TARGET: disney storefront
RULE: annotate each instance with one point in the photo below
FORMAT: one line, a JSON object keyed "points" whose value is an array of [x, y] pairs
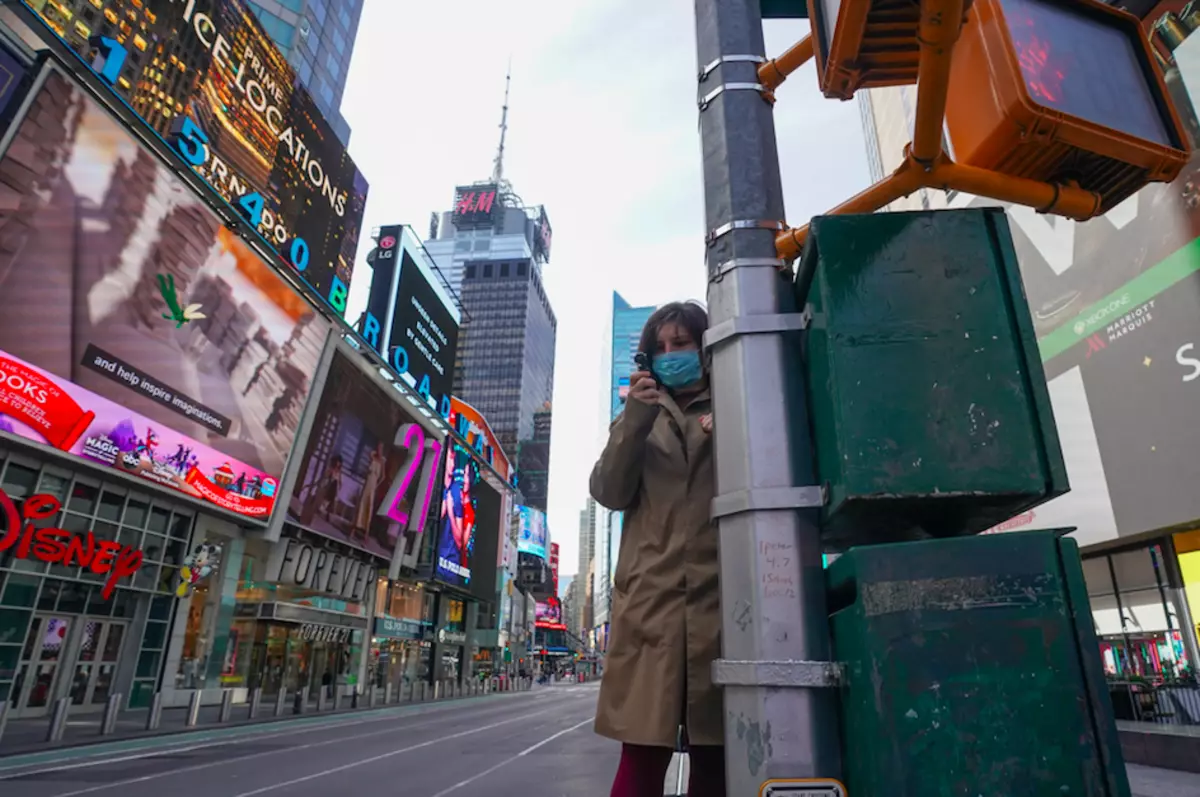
{"points": [[61, 635]]}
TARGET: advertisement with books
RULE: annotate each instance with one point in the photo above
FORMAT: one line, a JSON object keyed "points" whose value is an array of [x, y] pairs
{"points": [[370, 469], [137, 332]]}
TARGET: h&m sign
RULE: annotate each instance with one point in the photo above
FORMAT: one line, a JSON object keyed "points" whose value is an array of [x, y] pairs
{"points": [[296, 563]]}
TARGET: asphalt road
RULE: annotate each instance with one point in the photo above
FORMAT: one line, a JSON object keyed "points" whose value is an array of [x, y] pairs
{"points": [[532, 744]]}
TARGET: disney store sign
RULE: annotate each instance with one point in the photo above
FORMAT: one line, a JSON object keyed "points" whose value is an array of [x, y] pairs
{"points": [[61, 547]]}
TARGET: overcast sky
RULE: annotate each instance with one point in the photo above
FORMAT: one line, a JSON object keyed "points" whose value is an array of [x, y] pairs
{"points": [[602, 131]]}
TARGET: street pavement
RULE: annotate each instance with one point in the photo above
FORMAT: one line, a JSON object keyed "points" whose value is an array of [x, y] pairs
{"points": [[527, 744], [531, 744]]}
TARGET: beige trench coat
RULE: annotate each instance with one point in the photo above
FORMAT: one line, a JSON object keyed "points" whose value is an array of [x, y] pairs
{"points": [[666, 622]]}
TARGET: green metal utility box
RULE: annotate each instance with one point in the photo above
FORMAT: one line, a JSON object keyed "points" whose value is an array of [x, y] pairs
{"points": [[930, 413], [972, 668]]}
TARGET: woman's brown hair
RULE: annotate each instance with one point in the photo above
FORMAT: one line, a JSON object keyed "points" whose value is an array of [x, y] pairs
{"points": [[689, 315]]}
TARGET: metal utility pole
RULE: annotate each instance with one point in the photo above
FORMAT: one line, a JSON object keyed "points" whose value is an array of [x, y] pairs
{"points": [[780, 717]]}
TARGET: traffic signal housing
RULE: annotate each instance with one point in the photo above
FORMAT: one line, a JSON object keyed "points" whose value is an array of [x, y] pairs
{"points": [[865, 44], [1063, 92]]}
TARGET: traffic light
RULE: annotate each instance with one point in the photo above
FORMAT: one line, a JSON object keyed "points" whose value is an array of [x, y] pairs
{"points": [[1064, 92], [865, 44]]}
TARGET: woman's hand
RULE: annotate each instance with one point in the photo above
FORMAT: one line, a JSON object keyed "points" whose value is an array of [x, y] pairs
{"points": [[643, 388], [706, 422]]}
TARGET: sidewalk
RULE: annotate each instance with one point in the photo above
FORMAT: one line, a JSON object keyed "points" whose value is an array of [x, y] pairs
{"points": [[1151, 782]]}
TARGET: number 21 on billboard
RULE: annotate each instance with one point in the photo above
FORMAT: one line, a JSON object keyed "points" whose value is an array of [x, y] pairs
{"points": [[420, 451]]}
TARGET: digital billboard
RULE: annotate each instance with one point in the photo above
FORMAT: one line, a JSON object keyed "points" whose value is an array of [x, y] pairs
{"points": [[207, 77], [1116, 306], [488, 534], [532, 537], [137, 331], [543, 236], [549, 614], [369, 470], [426, 330], [474, 206], [471, 426], [554, 566], [409, 319], [456, 535]]}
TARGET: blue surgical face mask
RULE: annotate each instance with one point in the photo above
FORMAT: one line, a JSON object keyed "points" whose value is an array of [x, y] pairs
{"points": [[678, 369]]}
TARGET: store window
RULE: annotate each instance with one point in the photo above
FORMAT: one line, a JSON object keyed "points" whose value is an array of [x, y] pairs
{"points": [[1135, 616], [59, 636]]}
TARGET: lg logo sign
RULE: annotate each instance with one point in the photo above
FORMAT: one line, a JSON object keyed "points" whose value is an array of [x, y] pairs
{"points": [[1190, 363], [387, 247]]}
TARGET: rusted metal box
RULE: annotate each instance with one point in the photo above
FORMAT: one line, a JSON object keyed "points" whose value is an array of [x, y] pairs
{"points": [[930, 413], [972, 668]]}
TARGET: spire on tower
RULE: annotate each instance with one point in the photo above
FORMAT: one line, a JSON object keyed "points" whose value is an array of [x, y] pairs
{"points": [[498, 168]]}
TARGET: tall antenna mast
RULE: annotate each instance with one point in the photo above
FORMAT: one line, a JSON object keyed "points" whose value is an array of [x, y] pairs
{"points": [[498, 169]]}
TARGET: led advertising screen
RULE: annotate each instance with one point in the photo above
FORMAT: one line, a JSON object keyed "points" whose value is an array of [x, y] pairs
{"points": [[532, 539], [136, 331], [424, 327], [549, 614], [486, 554], [1116, 306], [369, 470], [474, 206], [205, 74], [456, 535], [543, 237]]}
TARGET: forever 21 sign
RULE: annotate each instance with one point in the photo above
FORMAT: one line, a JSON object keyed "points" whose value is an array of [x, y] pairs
{"points": [[295, 563]]}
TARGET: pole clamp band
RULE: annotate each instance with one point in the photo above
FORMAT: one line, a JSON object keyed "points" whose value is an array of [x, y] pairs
{"points": [[718, 272], [779, 674], [755, 325], [764, 499], [729, 59], [742, 224], [763, 91]]}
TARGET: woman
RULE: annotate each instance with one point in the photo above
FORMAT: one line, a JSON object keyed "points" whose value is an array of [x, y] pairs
{"points": [[368, 499], [666, 628]]}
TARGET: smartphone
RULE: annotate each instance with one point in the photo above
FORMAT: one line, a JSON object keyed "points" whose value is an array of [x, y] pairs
{"points": [[642, 361]]}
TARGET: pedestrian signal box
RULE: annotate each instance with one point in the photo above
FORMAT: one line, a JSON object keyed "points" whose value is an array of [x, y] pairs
{"points": [[864, 44], [1062, 91]]}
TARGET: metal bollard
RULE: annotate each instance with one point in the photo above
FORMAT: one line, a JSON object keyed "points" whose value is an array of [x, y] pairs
{"points": [[336, 702], [58, 719], [424, 691], [108, 722], [387, 694], [193, 715], [255, 701], [280, 700], [226, 706], [371, 698], [154, 718], [300, 705], [321, 699]]}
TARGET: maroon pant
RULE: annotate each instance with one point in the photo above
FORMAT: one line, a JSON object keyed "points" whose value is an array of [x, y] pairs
{"points": [[643, 770]]}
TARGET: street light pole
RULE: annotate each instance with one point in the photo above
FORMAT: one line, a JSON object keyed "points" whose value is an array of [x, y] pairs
{"points": [[780, 719]]}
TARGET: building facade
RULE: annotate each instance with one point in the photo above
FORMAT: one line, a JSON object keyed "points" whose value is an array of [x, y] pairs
{"points": [[1115, 304], [317, 37]]}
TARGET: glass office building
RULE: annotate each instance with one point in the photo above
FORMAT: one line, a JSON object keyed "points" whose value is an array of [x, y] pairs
{"points": [[317, 37], [627, 323]]}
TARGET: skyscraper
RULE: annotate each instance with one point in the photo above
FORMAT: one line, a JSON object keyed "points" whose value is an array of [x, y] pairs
{"points": [[493, 247], [627, 323], [317, 38]]}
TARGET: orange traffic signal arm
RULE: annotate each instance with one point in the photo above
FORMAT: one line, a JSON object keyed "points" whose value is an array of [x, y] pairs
{"points": [[941, 24], [1061, 200], [774, 72]]}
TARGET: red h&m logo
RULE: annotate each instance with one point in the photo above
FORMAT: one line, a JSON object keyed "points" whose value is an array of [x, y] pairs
{"points": [[475, 202], [59, 546]]}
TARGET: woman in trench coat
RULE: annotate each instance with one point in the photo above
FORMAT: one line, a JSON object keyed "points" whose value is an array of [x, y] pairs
{"points": [[657, 469]]}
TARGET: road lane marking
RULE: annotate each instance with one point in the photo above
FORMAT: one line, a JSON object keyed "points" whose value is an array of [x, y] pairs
{"points": [[382, 756], [440, 714], [510, 760]]}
